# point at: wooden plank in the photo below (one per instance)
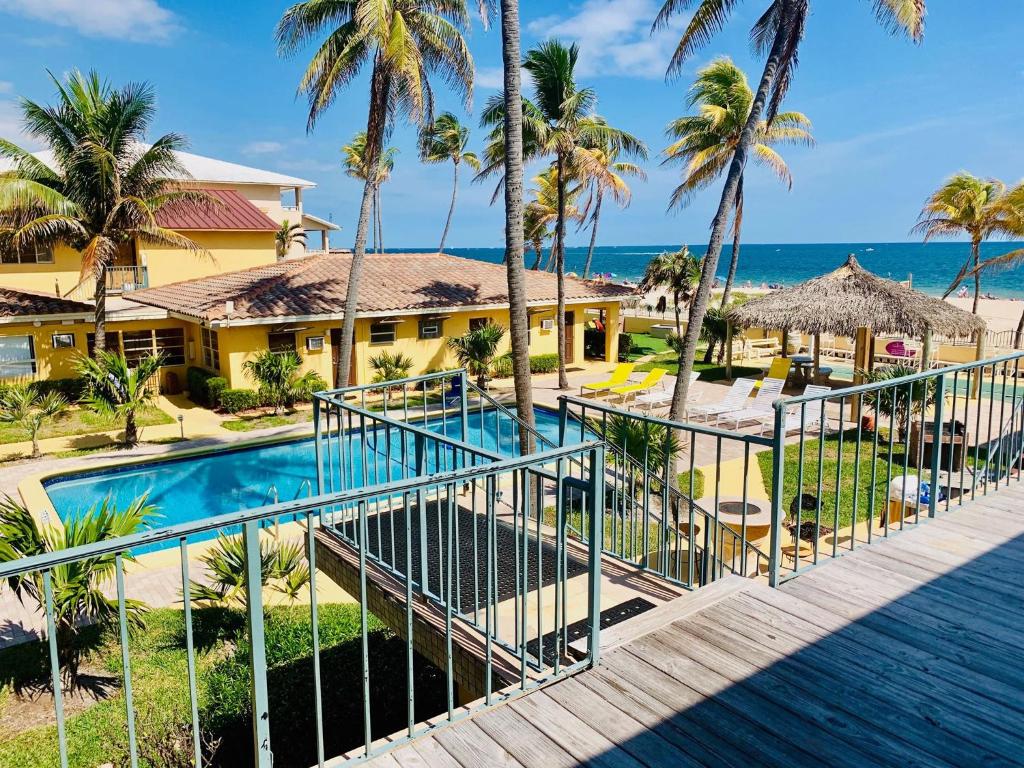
(787, 613)
(572, 734)
(519, 737)
(843, 737)
(863, 683)
(434, 754)
(473, 748)
(961, 524)
(987, 521)
(386, 760)
(747, 704)
(618, 725)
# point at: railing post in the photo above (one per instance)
(596, 536)
(933, 486)
(463, 406)
(420, 459)
(318, 445)
(563, 418)
(257, 643)
(778, 466)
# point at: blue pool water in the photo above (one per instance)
(203, 486)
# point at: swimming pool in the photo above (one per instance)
(200, 486)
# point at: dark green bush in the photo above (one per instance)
(71, 390)
(501, 368)
(235, 400)
(543, 363)
(626, 345)
(204, 388)
(593, 342)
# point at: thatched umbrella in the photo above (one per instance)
(855, 303)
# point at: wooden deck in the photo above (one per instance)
(905, 653)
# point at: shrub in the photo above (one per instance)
(626, 345)
(501, 368)
(593, 342)
(235, 400)
(204, 387)
(71, 390)
(543, 363)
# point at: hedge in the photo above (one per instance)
(72, 390)
(204, 387)
(544, 363)
(235, 400)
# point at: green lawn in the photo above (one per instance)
(97, 734)
(646, 344)
(263, 421)
(708, 371)
(83, 421)
(861, 493)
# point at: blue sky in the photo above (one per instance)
(892, 119)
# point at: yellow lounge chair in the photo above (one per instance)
(779, 369)
(619, 377)
(652, 378)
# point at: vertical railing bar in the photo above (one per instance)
(489, 618)
(190, 657)
(979, 372)
(409, 683)
(449, 667)
(952, 440)
(126, 669)
(58, 692)
(314, 628)
(364, 630)
(801, 448)
(839, 479)
(856, 474)
(906, 458)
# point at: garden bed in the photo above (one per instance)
(83, 421)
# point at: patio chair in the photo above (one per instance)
(735, 398)
(454, 394)
(663, 396)
(811, 416)
(770, 391)
(619, 377)
(652, 379)
(779, 369)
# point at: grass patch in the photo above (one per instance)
(398, 406)
(708, 371)
(83, 421)
(645, 344)
(160, 687)
(264, 421)
(851, 495)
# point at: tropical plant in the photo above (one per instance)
(542, 212)
(777, 32)
(114, 388)
(980, 209)
(476, 350)
(902, 402)
(277, 378)
(287, 235)
(28, 409)
(354, 154)
(715, 331)
(641, 442)
(283, 568)
(604, 176)
(445, 140)
(405, 42)
(80, 587)
(706, 142)
(560, 122)
(390, 366)
(674, 271)
(102, 189)
(535, 229)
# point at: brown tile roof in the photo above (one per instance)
(231, 212)
(19, 303)
(316, 285)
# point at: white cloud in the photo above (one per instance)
(11, 126)
(6, 86)
(140, 21)
(262, 147)
(492, 78)
(615, 37)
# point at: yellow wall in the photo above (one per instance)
(229, 251)
(242, 343)
(64, 274)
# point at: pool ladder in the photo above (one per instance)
(272, 495)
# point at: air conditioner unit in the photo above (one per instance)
(547, 325)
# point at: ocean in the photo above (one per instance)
(932, 266)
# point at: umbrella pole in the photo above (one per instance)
(817, 355)
(728, 350)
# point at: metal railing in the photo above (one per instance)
(903, 450)
(118, 280)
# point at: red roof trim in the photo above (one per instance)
(230, 212)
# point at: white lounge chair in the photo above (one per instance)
(735, 397)
(663, 395)
(770, 391)
(811, 416)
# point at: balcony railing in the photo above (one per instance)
(119, 280)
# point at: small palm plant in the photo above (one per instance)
(899, 403)
(287, 235)
(637, 443)
(115, 389)
(276, 375)
(283, 568)
(477, 349)
(80, 597)
(390, 366)
(26, 408)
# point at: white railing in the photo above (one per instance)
(118, 279)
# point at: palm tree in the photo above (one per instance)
(390, 366)
(287, 235)
(25, 407)
(115, 389)
(80, 588)
(277, 378)
(559, 122)
(978, 208)
(777, 33)
(442, 141)
(406, 41)
(535, 228)
(283, 568)
(675, 271)
(543, 209)
(476, 349)
(706, 142)
(354, 154)
(605, 176)
(103, 188)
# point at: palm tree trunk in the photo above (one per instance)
(538, 251)
(975, 256)
(593, 234)
(679, 322)
(737, 223)
(380, 222)
(699, 305)
(451, 208)
(519, 321)
(131, 430)
(100, 313)
(1019, 333)
(549, 265)
(563, 378)
(36, 453)
(373, 217)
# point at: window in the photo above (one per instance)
(90, 343)
(137, 345)
(42, 255)
(382, 333)
(17, 357)
(430, 329)
(170, 342)
(38, 254)
(278, 343)
(211, 349)
(476, 323)
(314, 343)
(63, 340)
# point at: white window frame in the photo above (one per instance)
(378, 330)
(211, 349)
(431, 323)
(30, 361)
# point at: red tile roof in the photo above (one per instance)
(18, 303)
(230, 211)
(316, 285)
